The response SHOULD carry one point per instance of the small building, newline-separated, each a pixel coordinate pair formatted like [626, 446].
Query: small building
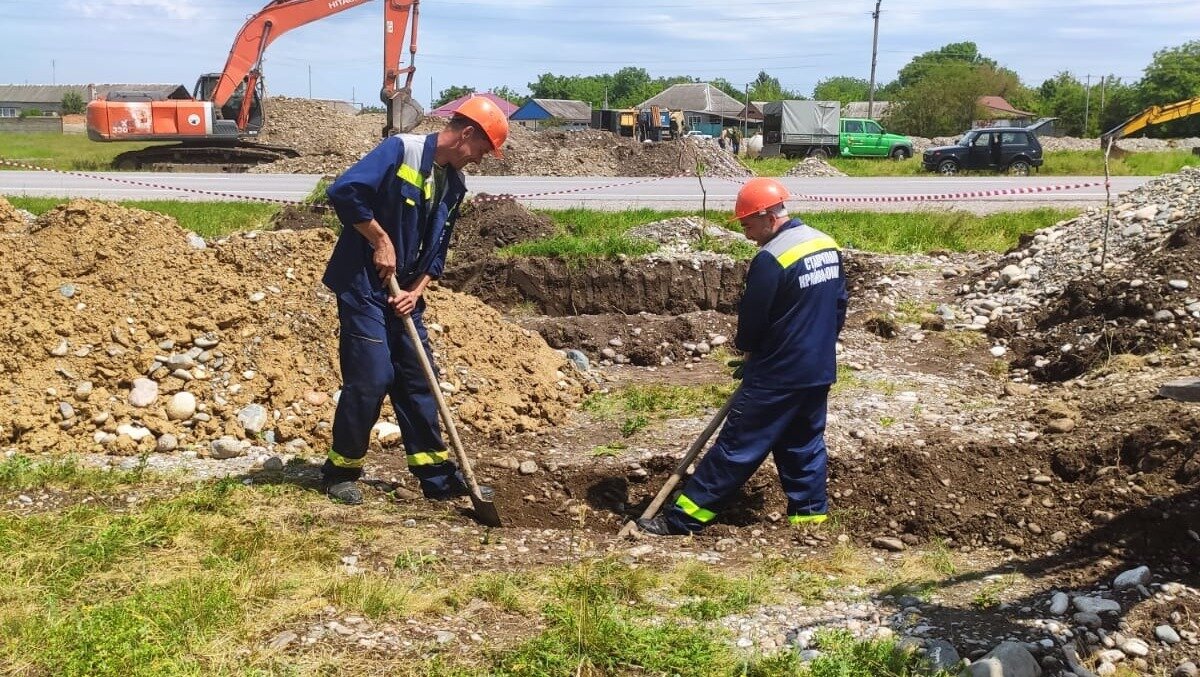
[447, 109]
[561, 113]
[48, 98]
[705, 108]
[994, 111]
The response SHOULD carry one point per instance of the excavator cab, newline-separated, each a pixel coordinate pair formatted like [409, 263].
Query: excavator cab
[207, 84]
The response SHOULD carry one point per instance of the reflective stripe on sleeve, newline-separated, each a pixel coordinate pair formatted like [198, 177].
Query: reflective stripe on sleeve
[694, 511]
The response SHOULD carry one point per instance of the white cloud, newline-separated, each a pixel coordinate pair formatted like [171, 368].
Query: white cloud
[136, 9]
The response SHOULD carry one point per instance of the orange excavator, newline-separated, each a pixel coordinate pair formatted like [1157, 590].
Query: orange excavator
[1154, 115]
[217, 125]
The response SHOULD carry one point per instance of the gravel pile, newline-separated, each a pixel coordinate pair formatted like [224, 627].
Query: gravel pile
[601, 153]
[1143, 283]
[812, 166]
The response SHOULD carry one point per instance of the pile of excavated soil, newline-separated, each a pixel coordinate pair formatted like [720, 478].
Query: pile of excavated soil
[1073, 295]
[602, 153]
[111, 313]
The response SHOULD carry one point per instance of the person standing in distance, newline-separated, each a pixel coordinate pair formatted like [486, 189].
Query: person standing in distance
[789, 318]
[397, 206]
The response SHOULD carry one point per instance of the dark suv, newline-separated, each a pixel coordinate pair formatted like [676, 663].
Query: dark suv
[1001, 149]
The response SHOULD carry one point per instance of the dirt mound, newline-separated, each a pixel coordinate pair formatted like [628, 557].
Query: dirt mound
[1084, 289]
[11, 218]
[490, 223]
[106, 306]
[602, 153]
[814, 166]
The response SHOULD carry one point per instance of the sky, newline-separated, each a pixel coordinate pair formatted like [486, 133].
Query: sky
[489, 43]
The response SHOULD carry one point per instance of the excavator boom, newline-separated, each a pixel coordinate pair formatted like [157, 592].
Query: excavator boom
[226, 109]
[1154, 115]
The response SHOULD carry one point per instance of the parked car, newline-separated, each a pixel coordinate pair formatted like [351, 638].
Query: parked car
[697, 134]
[1001, 149]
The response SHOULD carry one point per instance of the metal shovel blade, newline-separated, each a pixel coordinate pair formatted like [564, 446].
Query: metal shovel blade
[485, 509]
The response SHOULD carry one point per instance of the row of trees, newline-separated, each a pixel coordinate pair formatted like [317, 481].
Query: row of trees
[934, 94]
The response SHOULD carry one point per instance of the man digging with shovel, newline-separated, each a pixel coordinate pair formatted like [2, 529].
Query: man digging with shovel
[398, 206]
[791, 313]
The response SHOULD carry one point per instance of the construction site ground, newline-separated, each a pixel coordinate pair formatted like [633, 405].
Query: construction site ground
[978, 467]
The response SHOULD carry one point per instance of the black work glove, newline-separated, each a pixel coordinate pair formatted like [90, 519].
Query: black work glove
[738, 366]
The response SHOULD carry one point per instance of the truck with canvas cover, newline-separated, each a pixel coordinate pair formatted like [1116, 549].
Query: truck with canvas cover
[816, 129]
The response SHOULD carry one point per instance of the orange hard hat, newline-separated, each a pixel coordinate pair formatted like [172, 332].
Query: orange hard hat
[759, 194]
[489, 117]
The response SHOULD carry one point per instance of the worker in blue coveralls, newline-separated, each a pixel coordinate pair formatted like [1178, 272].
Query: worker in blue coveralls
[789, 318]
[397, 206]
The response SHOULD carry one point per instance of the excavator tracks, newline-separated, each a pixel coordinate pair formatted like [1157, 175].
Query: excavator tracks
[201, 158]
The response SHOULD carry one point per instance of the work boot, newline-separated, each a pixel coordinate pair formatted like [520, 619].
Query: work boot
[344, 492]
[659, 525]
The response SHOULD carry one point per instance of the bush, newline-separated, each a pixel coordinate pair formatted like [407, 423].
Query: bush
[73, 103]
[31, 113]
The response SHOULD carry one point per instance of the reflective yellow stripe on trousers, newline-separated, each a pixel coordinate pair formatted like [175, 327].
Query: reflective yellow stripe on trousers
[694, 511]
[428, 457]
[343, 462]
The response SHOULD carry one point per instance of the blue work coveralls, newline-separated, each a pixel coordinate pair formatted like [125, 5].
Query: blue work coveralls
[394, 184]
[789, 318]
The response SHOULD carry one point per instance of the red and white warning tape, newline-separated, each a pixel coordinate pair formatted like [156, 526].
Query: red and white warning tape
[926, 197]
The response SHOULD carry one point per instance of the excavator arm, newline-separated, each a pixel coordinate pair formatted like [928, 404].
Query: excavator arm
[244, 64]
[1154, 115]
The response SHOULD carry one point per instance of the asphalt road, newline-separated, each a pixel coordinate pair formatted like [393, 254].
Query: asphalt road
[596, 192]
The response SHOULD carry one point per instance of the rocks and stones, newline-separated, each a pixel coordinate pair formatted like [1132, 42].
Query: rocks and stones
[1182, 390]
[273, 464]
[1132, 646]
[578, 359]
[283, 639]
[228, 447]
[144, 392]
[253, 418]
[1059, 603]
[1167, 634]
[528, 467]
[166, 443]
[1088, 619]
[888, 543]
[1132, 578]
[181, 406]
[1186, 669]
[1060, 425]
[136, 433]
[1009, 659]
[942, 655]
[1095, 605]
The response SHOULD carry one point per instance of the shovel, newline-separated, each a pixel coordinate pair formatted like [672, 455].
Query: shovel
[680, 470]
[485, 509]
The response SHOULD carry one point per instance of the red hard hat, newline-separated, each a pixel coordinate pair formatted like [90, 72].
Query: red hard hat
[759, 194]
[481, 111]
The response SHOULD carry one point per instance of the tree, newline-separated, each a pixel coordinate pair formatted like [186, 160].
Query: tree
[509, 94]
[941, 103]
[767, 88]
[842, 89]
[451, 93]
[955, 52]
[1173, 75]
[73, 103]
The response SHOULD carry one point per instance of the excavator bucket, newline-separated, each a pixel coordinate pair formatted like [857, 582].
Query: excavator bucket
[403, 113]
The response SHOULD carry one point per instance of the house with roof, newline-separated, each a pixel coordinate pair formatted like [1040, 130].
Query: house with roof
[561, 113]
[995, 111]
[447, 109]
[705, 107]
[48, 98]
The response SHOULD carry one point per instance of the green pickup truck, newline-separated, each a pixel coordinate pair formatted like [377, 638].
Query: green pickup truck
[866, 138]
[817, 129]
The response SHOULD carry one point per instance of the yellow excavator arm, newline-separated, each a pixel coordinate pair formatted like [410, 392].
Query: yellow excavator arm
[1154, 115]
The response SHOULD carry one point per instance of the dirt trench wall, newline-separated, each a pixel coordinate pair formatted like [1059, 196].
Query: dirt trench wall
[555, 287]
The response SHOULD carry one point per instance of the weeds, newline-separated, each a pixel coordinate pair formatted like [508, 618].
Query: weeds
[207, 219]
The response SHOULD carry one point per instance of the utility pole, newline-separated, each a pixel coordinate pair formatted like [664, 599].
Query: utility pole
[746, 117]
[1103, 85]
[1087, 103]
[874, 54]
[606, 97]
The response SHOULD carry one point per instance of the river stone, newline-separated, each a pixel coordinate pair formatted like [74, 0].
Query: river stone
[181, 406]
[227, 447]
[1009, 659]
[1132, 578]
[1182, 390]
[942, 655]
[144, 392]
[253, 418]
[1095, 605]
[1059, 603]
[166, 444]
[1166, 633]
[578, 359]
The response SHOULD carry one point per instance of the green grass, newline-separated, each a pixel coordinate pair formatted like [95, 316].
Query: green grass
[21, 473]
[207, 219]
[586, 234]
[771, 166]
[656, 401]
[67, 152]
[916, 232]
